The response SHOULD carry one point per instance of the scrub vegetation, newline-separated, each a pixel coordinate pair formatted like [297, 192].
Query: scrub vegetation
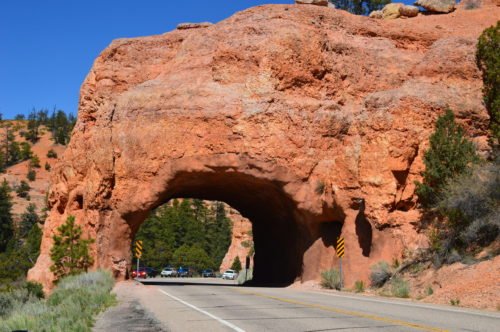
[72, 306]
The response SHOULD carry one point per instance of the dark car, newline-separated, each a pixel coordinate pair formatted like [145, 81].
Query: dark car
[144, 272]
[208, 273]
[184, 272]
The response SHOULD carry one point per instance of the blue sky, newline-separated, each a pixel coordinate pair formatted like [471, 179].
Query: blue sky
[48, 46]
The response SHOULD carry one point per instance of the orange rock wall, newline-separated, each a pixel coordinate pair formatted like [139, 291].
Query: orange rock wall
[290, 114]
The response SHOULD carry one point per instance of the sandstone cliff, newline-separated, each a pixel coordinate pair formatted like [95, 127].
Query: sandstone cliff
[291, 114]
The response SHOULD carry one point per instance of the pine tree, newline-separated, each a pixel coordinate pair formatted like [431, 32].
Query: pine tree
[450, 154]
[236, 264]
[6, 225]
[70, 253]
[488, 59]
[33, 125]
[28, 219]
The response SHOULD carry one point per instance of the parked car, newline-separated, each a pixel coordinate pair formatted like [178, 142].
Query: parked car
[141, 273]
[144, 272]
[184, 272]
[230, 275]
[208, 273]
[168, 272]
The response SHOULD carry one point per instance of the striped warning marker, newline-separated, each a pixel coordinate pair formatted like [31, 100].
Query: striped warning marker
[340, 247]
[138, 249]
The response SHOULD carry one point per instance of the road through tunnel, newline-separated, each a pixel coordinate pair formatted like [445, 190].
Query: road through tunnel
[280, 237]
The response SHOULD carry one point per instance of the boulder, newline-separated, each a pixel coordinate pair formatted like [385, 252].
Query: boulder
[323, 3]
[437, 6]
[391, 11]
[376, 14]
[409, 11]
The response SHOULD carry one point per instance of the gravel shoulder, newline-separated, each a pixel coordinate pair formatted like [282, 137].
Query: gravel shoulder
[129, 314]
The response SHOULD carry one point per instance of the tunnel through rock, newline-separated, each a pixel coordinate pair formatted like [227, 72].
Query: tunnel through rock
[279, 237]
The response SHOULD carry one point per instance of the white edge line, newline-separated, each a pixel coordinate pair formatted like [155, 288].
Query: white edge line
[220, 320]
[431, 306]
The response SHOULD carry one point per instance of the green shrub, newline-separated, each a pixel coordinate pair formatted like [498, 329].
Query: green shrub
[71, 307]
[488, 60]
[47, 167]
[455, 302]
[331, 279]
[359, 286]
[450, 154]
[35, 161]
[31, 176]
[380, 273]
[23, 189]
[51, 154]
[429, 291]
[400, 287]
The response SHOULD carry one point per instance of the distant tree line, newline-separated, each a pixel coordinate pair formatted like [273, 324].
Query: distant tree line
[360, 7]
[59, 123]
[186, 233]
[12, 152]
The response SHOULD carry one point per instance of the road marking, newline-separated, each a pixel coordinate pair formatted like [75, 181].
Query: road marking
[348, 312]
[220, 320]
[429, 306]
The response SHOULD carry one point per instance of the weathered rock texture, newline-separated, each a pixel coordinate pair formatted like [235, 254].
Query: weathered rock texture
[241, 240]
[287, 113]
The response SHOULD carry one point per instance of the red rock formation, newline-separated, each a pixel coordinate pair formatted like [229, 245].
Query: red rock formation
[287, 113]
[241, 240]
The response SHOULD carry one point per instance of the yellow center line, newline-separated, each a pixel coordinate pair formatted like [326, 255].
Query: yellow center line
[348, 312]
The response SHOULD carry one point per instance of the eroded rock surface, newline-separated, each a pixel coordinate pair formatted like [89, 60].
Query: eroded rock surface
[311, 122]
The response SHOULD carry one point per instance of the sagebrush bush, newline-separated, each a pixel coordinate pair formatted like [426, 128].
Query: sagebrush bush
[380, 273]
[71, 307]
[400, 288]
[331, 279]
[471, 203]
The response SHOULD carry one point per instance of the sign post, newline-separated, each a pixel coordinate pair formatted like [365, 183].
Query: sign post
[247, 266]
[340, 253]
[138, 254]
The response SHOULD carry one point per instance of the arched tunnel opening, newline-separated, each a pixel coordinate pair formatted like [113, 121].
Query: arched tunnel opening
[279, 237]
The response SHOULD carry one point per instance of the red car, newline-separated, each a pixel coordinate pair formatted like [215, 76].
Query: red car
[144, 272]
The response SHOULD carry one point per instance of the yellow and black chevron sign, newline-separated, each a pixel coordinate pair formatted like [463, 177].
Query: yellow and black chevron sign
[138, 249]
[340, 247]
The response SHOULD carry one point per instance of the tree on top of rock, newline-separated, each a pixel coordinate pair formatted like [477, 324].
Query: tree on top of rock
[360, 7]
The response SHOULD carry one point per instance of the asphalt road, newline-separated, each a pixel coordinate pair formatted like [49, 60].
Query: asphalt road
[217, 305]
